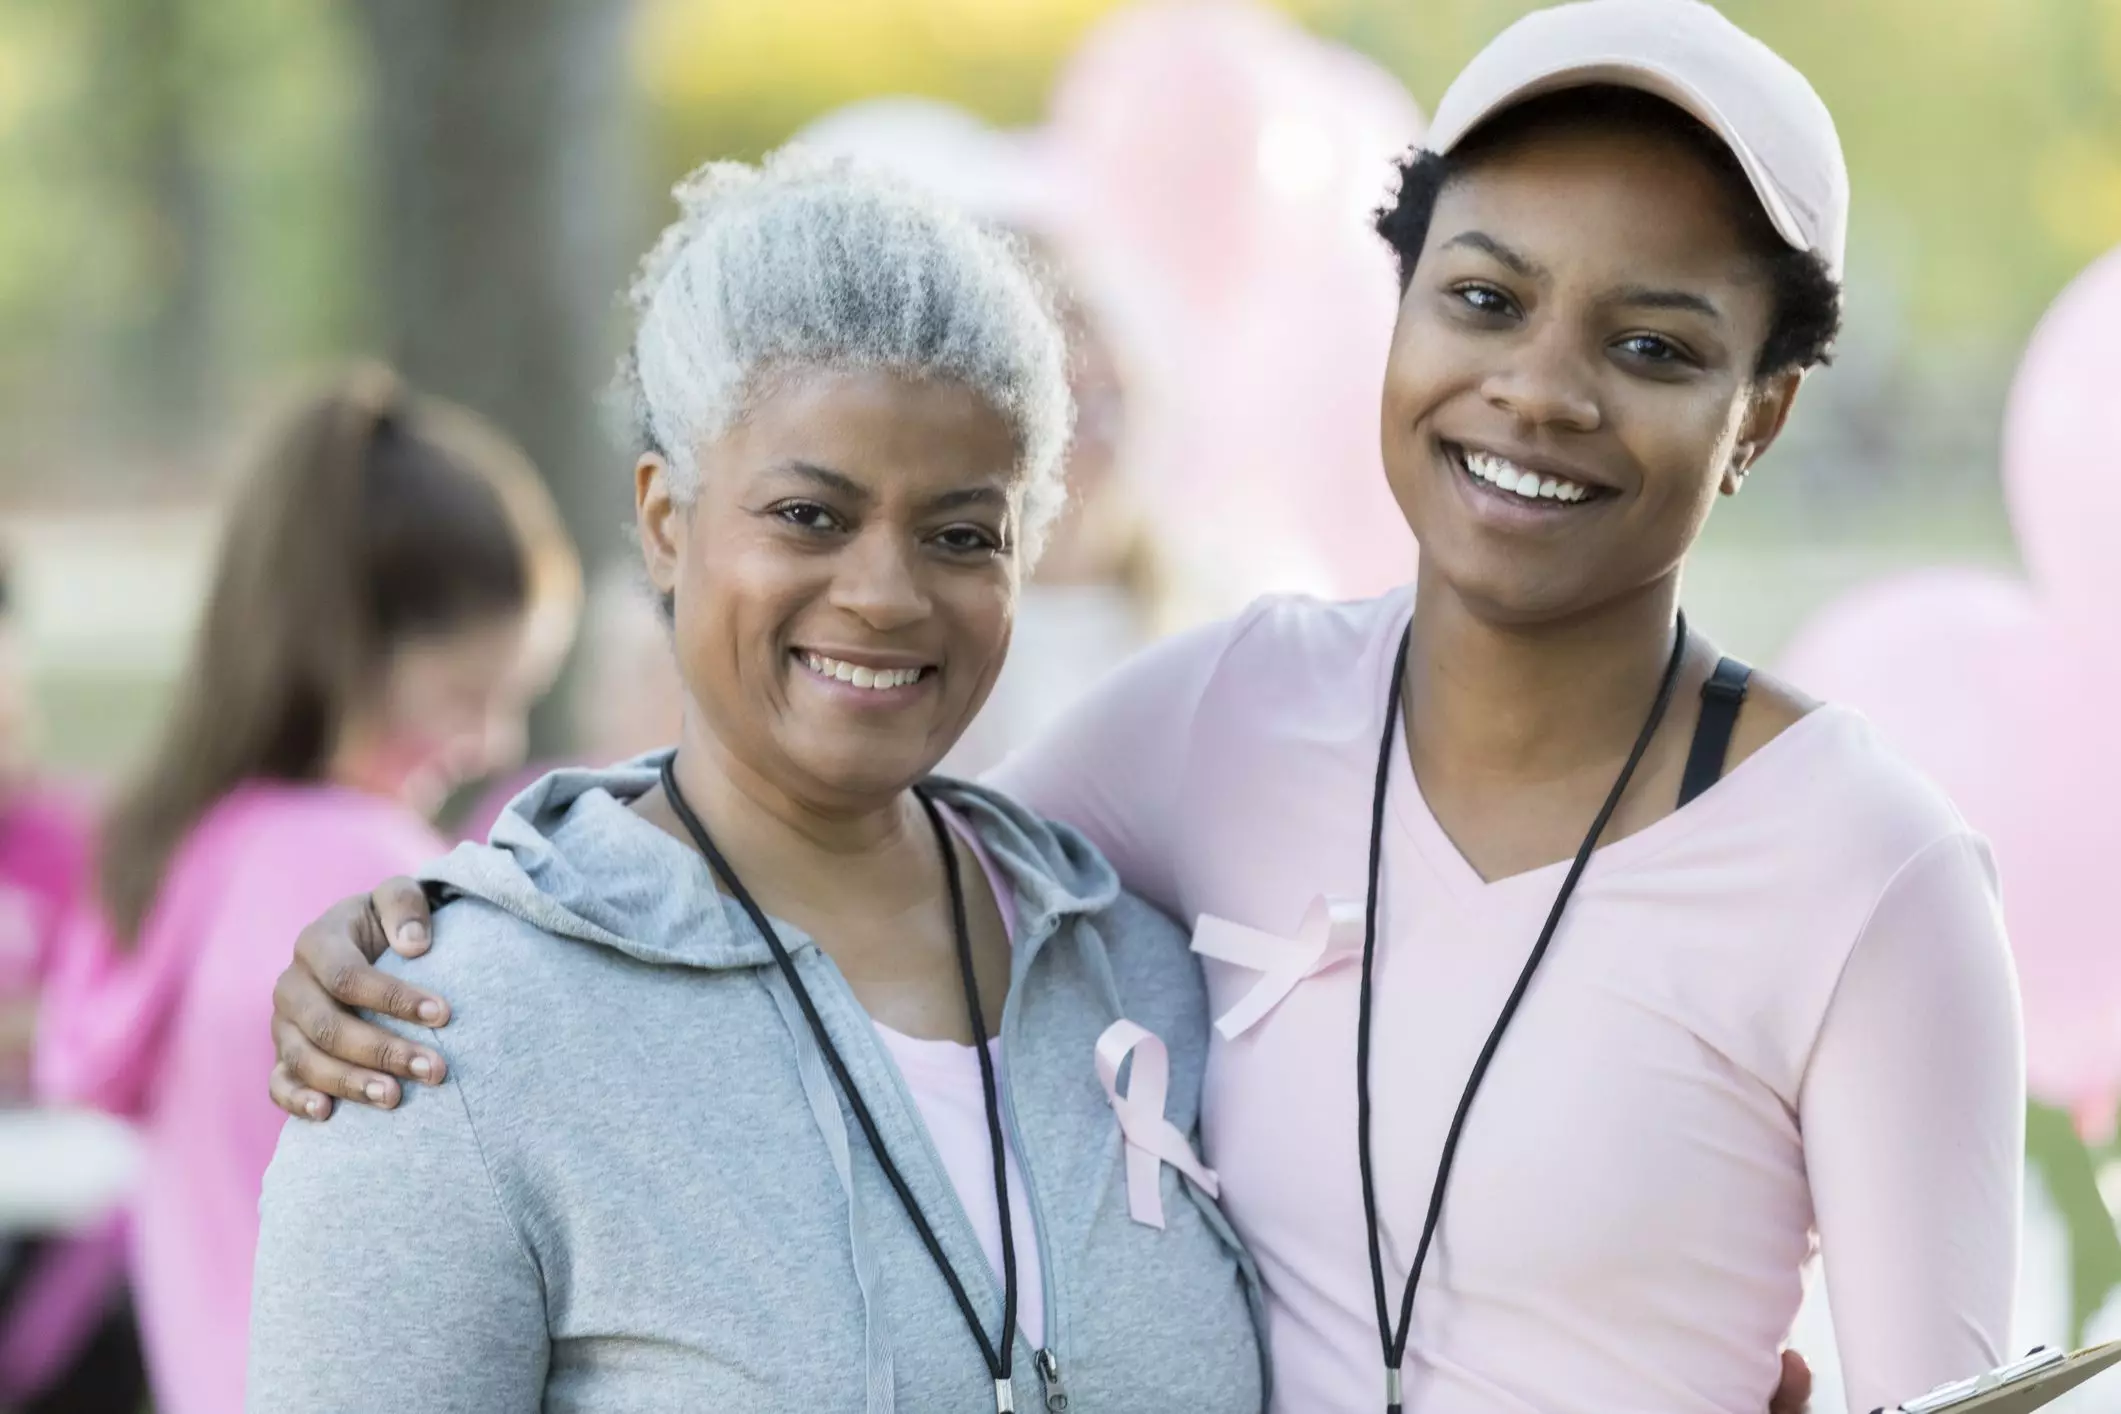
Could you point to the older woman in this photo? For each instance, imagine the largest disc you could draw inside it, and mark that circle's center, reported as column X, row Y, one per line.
column 726, row 1128
column 1572, row 981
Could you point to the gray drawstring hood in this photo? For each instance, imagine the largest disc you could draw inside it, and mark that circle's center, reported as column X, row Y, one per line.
column 651, row 1190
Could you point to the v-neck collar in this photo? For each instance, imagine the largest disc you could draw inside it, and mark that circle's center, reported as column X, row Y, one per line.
column 1409, row 808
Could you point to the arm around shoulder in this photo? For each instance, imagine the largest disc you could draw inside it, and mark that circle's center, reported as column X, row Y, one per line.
column 389, row 1275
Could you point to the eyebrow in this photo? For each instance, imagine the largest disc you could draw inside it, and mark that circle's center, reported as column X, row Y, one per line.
column 1640, row 297
column 1481, row 240
column 970, row 496
column 847, row 486
column 823, row 476
column 1634, row 296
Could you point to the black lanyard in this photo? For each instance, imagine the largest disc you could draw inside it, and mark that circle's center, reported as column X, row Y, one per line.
column 998, row 1362
column 1394, row 1336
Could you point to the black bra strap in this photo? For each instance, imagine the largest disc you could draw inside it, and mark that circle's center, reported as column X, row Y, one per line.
column 1721, row 697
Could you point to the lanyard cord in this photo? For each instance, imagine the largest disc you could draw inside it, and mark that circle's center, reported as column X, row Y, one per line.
column 998, row 1363
column 1393, row 1335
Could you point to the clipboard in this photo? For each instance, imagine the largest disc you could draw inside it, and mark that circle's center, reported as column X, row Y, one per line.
column 2020, row 1387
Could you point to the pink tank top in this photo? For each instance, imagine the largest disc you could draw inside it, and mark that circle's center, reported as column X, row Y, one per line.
column 944, row 1078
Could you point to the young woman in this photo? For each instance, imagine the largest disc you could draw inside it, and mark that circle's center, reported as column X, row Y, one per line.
column 393, row 590
column 759, row 1152
column 1569, row 989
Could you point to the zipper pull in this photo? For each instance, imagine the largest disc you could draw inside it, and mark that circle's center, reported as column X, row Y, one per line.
column 1049, row 1376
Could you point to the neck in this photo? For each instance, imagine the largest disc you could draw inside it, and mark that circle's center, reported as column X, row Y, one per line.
column 761, row 824
column 1528, row 703
column 356, row 765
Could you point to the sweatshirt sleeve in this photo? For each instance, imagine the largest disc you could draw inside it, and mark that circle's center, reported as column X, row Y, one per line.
column 1913, row 1114
column 388, row 1274
column 1113, row 765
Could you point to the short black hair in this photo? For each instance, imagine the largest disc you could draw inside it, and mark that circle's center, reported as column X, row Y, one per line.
column 1806, row 297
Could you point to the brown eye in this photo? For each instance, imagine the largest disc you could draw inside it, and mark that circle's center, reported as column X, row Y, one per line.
column 969, row 540
column 806, row 515
column 1484, row 299
column 1654, row 349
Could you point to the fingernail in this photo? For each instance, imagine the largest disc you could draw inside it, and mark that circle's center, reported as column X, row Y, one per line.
column 315, row 1107
column 412, row 935
column 430, row 1011
column 377, row 1091
column 422, row 1066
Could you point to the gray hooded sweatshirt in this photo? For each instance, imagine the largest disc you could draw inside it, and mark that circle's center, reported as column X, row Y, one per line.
column 640, row 1188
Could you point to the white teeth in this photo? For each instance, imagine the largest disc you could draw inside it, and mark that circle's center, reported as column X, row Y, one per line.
column 1508, row 476
column 876, row 679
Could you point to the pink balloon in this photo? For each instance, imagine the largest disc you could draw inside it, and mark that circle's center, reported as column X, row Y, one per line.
column 1223, row 164
column 2001, row 691
column 2062, row 442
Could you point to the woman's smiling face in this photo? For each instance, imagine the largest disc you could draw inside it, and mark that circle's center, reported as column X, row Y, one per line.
column 1573, row 376
column 844, row 581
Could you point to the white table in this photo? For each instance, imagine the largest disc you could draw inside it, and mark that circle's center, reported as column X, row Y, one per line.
column 62, row 1169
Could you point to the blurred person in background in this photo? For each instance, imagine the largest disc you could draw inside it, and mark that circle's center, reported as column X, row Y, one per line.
column 393, row 591
column 1098, row 592
column 1214, row 167
column 68, row 1344
column 44, row 861
column 631, row 699
column 625, row 700
column 772, row 1160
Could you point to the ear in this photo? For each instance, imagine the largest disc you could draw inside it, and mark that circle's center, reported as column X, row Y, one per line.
column 1767, row 412
column 659, row 521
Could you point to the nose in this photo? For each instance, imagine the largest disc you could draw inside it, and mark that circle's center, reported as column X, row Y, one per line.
column 1544, row 383
column 878, row 581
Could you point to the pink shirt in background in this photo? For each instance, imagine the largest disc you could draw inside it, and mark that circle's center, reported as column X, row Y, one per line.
column 1783, row 1014
column 944, row 1080
column 45, row 843
column 176, row 1033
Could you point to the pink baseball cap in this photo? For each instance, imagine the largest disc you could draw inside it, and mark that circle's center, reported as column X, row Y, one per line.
column 1688, row 54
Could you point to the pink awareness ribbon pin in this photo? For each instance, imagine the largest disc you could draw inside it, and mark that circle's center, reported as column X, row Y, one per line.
column 1330, row 934
column 1151, row 1140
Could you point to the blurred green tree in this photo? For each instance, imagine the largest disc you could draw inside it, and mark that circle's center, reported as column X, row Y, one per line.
column 503, row 219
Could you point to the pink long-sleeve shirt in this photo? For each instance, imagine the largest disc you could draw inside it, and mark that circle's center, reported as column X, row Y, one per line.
column 1782, row 1018
column 175, row 1032
column 44, row 853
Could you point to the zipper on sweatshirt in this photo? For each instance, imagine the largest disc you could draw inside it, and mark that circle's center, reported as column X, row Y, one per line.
column 1049, row 1380
column 882, row 1054
column 1047, row 1356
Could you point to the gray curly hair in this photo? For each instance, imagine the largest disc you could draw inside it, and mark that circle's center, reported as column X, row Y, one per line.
column 804, row 263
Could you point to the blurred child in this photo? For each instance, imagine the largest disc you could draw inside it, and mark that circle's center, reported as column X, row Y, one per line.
column 387, row 540
column 623, row 700
column 628, row 698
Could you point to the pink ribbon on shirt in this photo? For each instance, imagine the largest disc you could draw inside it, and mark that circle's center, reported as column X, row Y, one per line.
column 1330, row 934
column 1151, row 1140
